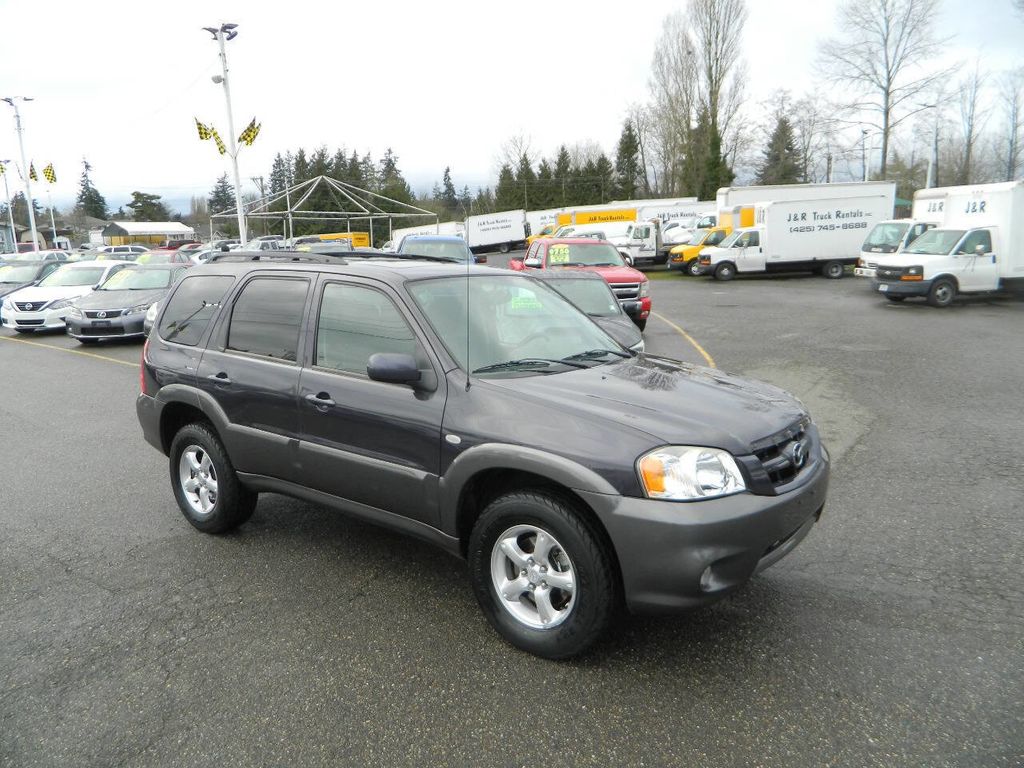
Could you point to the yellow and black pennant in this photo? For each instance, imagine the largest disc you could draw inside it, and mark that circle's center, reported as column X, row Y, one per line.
column 204, row 132
column 252, row 130
column 218, row 141
column 32, row 171
column 49, row 174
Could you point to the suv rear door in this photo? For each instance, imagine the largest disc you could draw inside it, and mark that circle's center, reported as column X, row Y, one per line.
column 369, row 442
column 251, row 369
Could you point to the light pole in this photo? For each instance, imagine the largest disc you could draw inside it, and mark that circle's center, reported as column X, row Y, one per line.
column 223, row 33
column 864, row 152
column 933, row 159
column 10, row 208
column 24, row 169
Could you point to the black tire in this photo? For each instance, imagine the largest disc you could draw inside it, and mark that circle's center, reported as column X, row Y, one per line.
column 596, row 597
column 692, row 268
column 725, row 271
column 233, row 504
column 641, row 324
column 503, row 248
column 895, row 298
column 833, row 270
column 942, row 293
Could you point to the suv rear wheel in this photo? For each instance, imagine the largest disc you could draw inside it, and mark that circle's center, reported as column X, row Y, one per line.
column 543, row 577
column 205, row 484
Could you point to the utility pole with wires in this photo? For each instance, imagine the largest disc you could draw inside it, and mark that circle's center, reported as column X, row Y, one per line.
column 24, row 168
column 10, row 207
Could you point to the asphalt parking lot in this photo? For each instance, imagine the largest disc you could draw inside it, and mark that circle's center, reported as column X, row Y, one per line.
column 893, row 636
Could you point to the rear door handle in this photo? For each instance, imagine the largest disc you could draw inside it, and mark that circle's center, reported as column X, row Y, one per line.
column 321, row 400
column 220, row 378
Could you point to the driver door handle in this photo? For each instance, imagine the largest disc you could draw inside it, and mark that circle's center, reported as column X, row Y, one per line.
column 219, row 378
column 321, row 400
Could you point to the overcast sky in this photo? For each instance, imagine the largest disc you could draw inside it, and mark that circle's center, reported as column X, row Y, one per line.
column 443, row 83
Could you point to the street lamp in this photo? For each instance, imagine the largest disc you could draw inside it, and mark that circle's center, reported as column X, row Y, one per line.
column 933, row 158
column 864, row 152
column 221, row 34
column 10, row 208
column 24, row 170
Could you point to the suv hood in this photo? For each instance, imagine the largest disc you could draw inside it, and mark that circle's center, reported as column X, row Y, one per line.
column 120, row 299
column 614, row 275
column 674, row 403
column 36, row 293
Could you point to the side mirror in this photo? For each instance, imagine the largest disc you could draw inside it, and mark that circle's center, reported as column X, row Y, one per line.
column 628, row 259
column 392, row 367
column 980, row 249
column 532, row 263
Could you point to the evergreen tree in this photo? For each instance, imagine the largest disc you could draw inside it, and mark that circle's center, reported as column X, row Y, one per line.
column 392, row 183
column 449, row 197
column 562, row 174
column 89, row 202
column 525, row 181
column 484, row 201
column 627, row 163
column 506, row 195
column 222, row 198
column 694, row 163
column 717, row 172
column 300, row 167
column 604, row 182
column 781, row 163
column 546, row 193
column 147, row 207
column 280, row 172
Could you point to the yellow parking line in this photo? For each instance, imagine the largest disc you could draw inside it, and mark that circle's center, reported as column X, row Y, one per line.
column 704, row 353
column 71, row 351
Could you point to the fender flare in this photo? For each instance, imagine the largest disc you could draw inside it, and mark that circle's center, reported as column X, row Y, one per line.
column 196, row 398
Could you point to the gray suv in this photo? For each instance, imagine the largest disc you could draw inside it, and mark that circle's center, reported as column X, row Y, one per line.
column 482, row 412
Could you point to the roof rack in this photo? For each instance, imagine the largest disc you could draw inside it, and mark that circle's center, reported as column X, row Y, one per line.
column 296, row 256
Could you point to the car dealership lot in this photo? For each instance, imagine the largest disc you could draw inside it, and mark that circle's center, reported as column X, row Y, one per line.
column 891, row 636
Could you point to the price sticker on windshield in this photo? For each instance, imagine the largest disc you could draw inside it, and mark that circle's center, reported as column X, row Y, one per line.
column 558, row 254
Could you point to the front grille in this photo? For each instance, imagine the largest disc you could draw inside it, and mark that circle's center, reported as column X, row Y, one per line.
column 785, row 454
column 626, row 291
column 29, row 306
column 106, row 314
column 89, row 331
column 29, row 322
column 889, row 273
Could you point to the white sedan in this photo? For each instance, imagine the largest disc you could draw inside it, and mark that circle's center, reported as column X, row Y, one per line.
column 44, row 306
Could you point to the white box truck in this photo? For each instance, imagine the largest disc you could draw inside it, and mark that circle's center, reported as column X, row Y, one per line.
column 456, row 228
column 893, row 235
column 820, row 235
column 501, row 231
column 978, row 248
column 730, row 197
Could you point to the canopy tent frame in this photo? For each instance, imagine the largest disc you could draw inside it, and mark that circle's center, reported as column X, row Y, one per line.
column 354, row 203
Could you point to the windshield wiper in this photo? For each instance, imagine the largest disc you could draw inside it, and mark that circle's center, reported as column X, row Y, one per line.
column 594, row 354
column 525, row 363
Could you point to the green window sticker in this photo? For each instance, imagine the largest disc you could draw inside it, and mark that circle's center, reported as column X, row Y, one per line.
column 558, row 254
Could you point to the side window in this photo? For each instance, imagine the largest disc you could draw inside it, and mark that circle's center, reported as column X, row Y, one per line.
column 976, row 238
column 191, row 307
column 267, row 316
column 753, row 239
column 356, row 322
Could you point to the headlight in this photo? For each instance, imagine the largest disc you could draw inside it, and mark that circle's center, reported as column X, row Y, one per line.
column 7, row 304
column 74, row 311
column 915, row 270
column 638, row 347
column 913, row 273
column 137, row 308
column 686, row 472
column 62, row 304
column 645, row 289
column 151, row 312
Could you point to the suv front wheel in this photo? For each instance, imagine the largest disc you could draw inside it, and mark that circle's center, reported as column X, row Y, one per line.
column 205, row 484
column 544, row 578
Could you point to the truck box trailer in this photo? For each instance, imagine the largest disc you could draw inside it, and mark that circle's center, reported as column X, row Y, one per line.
column 978, row 248
column 501, row 231
column 820, row 235
column 730, row 197
column 443, row 228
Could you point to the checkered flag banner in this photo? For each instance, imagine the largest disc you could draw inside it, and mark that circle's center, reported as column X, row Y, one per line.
column 252, row 130
column 3, row 168
column 32, row 171
column 204, row 132
column 49, row 174
column 218, row 141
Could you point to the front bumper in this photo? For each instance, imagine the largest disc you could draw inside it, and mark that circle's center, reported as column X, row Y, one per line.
column 119, row 327
column 864, row 271
column 679, row 555
column 902, row 287
column 46, row 320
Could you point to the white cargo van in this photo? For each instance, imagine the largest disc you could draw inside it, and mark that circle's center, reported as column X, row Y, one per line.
column 500, row 231
column 894, row 235
column 820, row 235
column 978, row 248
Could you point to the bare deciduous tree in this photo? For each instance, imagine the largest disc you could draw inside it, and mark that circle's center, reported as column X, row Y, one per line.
column 972, row 120
column 673, row 100
column 1011, row 94
column 718, row 40
column 640, row 116
column 884, row 52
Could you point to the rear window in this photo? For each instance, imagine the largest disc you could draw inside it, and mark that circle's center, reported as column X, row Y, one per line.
column 267, row 317
column 190, row 309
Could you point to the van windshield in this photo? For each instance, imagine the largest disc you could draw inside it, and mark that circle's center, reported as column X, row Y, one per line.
column 886, row 235
column 698, row 237
column 936, row 242
column 732, row 238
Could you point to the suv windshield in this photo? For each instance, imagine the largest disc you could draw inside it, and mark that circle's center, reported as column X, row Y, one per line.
column 936, row 242
column 886, row 235
column 67, row 277
column 592, row 296
column 154, row 257
column 138, row 280
column 583, row 255
column 515, row 326
column 13, row 274
column 436, row 248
